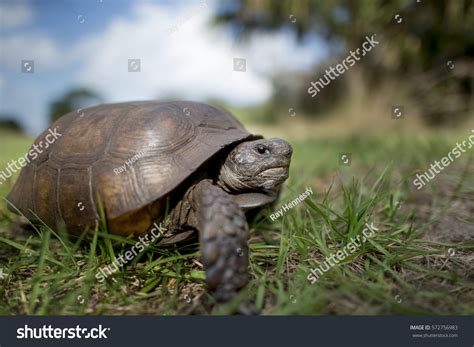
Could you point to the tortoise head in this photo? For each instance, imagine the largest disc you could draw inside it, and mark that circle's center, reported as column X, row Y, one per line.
column 256, row 165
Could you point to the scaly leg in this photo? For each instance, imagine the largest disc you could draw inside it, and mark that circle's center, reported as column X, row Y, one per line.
column 223, row 234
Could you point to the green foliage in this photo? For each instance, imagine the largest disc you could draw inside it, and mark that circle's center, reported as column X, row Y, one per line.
column 72, row 100
column 416, row 51
column 9, row 124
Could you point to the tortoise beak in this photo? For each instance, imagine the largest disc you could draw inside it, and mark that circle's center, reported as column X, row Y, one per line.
column 248, row 201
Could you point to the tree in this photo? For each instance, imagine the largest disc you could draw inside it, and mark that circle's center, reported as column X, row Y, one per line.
column 72, row 100
column 427, row 39
column 7, row 122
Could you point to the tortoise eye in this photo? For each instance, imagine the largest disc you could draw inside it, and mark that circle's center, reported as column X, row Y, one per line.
column 262, row 149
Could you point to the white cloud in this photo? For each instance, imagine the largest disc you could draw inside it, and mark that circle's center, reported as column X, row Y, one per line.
column 280, row 52
column 15, row 14
column 182, row 56
column 20, row 44
column 38, row 47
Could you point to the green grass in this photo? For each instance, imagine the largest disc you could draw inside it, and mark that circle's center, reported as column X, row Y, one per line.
column 419, row 262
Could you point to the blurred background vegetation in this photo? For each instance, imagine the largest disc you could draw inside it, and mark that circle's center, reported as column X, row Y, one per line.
column 73, row 100
column 424, row 62
column 425, row 58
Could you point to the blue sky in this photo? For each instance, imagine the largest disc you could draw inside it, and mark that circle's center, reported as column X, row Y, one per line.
column 88, row 43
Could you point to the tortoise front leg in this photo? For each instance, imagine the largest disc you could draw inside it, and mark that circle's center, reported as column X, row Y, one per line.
column 223, row 234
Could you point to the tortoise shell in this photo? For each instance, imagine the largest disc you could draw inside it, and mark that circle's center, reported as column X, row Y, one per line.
column 128, row 155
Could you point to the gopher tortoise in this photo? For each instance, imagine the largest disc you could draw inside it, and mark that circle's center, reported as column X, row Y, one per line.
column 192, row 162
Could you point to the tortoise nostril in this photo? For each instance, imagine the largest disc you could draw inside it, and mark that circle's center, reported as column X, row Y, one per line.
column 283, row 147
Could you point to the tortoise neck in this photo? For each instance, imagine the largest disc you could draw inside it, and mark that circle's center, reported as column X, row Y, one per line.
column 228, row 181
